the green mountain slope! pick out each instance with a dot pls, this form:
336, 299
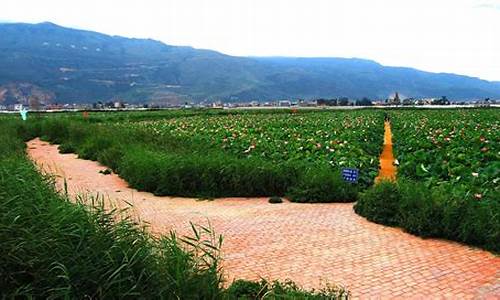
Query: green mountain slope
82, 66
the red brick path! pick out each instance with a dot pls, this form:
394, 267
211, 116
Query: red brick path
308, 243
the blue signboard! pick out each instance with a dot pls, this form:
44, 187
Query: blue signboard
350, 175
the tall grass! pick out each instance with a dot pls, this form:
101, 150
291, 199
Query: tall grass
172, 166
320, 184
276, 290
196, 175
53, 248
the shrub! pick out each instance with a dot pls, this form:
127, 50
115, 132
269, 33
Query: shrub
418, 203
442, 211
243, 289
106, 171
92, 148
480, 224
56, 131
67, 147
322, 184
141, 169
111, 157
202, 176
275, 199
380, 203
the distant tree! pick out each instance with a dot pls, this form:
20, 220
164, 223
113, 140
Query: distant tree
321, 102
326, 102
364, 102
344, 101
443, 101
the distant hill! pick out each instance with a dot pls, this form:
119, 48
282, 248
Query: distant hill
66, 65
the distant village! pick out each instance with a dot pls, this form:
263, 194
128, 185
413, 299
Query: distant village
342, 102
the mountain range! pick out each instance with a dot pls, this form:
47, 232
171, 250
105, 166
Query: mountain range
51, 63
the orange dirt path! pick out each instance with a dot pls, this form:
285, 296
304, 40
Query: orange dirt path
308, 243
387, 168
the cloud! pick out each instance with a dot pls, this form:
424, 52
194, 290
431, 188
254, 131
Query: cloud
495, 5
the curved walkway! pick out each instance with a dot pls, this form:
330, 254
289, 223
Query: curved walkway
308, 243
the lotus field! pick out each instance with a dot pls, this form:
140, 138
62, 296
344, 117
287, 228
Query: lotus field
447, 186
460, 148
448, 176
339, 139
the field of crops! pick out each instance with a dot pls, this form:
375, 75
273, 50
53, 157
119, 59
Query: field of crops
340, 139
448, 176
461, 148
215, 153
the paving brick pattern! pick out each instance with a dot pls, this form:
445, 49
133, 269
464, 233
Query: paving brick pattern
308, 243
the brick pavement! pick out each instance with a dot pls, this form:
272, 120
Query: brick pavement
308, 243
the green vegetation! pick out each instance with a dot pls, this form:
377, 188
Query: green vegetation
448, 179
447, 187
275, 200
250, 290
433, 212
339, 138
458, 147
53, 248
217, 154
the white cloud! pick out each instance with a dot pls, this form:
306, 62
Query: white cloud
459, 36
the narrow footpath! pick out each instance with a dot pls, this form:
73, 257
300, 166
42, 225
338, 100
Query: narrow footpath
310, 244
387, 168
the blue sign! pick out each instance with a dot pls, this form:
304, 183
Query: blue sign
350, 175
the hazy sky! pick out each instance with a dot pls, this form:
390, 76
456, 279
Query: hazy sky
458, 36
